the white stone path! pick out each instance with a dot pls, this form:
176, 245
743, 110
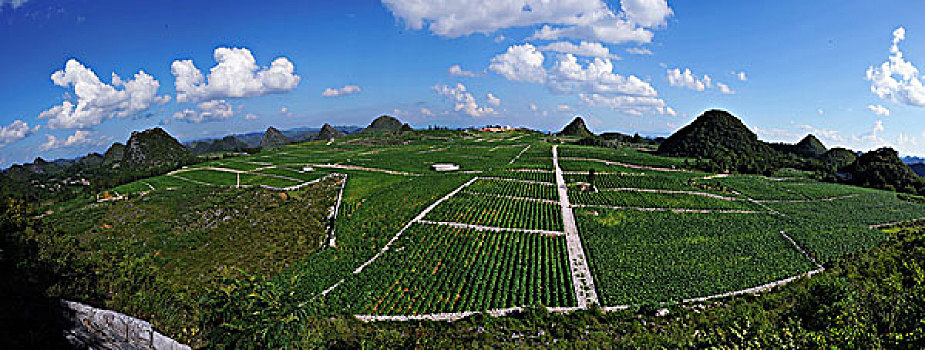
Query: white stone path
519, 154
332, 239
525, 199
650, 190
582, 281
361, 168
827, 199
517, 180
385, 248
625, 165
675, 210
490, 228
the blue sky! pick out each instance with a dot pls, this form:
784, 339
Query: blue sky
808, 66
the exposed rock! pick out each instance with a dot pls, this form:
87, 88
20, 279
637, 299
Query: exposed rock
273, 138
113, 155
154, 148
329, 132
104, 329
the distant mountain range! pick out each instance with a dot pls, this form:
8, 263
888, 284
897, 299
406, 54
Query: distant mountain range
252, 140
717, 136
918, 168
916, 163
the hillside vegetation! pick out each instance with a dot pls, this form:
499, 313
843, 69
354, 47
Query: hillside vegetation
385, 123
882, 168
147, 153
576, 128
721, 137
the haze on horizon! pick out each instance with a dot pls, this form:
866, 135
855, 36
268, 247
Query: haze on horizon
79, 75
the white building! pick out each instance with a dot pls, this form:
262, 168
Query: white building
444, 167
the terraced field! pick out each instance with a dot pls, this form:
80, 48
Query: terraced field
442, 269
498, 233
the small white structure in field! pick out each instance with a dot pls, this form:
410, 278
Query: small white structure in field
444, 167
307, 169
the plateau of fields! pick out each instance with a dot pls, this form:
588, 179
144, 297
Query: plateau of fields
524, 223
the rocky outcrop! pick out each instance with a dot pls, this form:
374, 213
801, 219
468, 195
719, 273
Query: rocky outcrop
154, 148
274, 138
576, 128
329, 132
93, 328
386, 123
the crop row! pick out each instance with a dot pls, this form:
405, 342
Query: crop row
371, 215
295, 174
539, 150
657, 200
829, 229
540, 176
533, 162
623, 155
498, 212
238, 165
269, 181
636, 180
440, 269
761, 188
640, 257
586, 165
515, 189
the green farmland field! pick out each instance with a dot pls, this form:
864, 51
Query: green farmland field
651, 230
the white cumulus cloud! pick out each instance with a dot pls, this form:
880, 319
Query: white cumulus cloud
251, 117
638, 51
464, 101
774, 133
569, 76
824, 134
614, 32
13, 3
80, 137
206, 111
17, 130
577, 19
520, 63
687, 79
235, 75
879, 110
679, 78
740, 75
97, 101
647, 13
896, 79
595, 78
457, 71
632, 105
723, 88
346, 90
588, 49
493, 100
